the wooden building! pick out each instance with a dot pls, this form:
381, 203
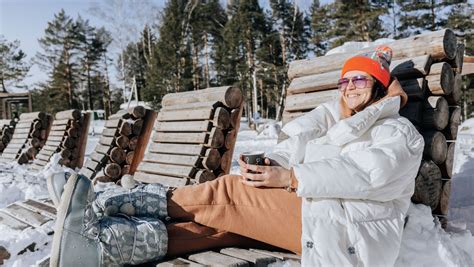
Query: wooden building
13, 104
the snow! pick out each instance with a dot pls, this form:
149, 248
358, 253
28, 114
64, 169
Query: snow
424, 242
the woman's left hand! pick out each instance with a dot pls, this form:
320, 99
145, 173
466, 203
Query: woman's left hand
266, 176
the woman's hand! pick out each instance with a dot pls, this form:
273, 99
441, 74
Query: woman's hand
265, 176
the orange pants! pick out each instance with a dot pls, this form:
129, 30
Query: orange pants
225, 212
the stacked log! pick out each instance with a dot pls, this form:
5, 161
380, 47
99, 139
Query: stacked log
68, 136
7, 128
194, 137
28, 138
429, 68
114, 155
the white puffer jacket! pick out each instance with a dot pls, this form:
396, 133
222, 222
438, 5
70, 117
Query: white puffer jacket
356, 177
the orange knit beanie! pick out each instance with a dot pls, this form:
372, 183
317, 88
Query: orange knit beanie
377, 64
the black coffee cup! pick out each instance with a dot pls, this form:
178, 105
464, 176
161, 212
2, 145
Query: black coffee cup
254, 157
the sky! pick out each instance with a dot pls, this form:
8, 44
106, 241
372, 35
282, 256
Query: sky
26, 20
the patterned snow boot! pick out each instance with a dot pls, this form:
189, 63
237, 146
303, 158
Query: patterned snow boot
55, 183
142, 201
82, 239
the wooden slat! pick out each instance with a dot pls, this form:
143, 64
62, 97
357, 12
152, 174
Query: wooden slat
166, 169
40, 208
211, 258
56, 133
25, 124
107, 141
41, 162
22, 130
50, 148
257, 259
93, 165
60, 122
162, 179
55, 138
16, 146
184, 126
312, 83
309, 100
9, 150
113, 123
43, 156
47, 153
8, 156
185, 138
278, 255
204, 113
98, 157
86, 172
109, 132
53, 143
30, 217
12, 222
58, 128
102, 149
36, 167
172, 159
178, 262
182, 149
18, 140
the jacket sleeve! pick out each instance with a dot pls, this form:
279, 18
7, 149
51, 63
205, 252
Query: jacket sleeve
300, 131
380, 172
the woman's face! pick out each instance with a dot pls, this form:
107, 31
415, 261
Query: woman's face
358, 91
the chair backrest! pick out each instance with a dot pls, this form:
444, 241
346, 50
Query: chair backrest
194, 137
121, 145
68, 137
28, 138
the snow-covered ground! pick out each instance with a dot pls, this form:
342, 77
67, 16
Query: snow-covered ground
424, 242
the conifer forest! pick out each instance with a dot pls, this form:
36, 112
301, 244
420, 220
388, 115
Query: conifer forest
187, 45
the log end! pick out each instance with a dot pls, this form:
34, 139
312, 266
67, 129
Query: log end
449, 44
233, 97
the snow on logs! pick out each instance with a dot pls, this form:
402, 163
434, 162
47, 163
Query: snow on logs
194, 137
68, 137
28, 138
429, 68
124, 133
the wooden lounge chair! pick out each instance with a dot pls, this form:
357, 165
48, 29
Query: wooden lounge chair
194, 137
68, 136
121, 145
28, 138
6, 133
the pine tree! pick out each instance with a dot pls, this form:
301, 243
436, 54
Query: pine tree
13, 67
292, 27
206, 23
335, 23
171, 49
59, 58
92, 47
322, 20
419, 16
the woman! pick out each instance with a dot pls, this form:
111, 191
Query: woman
348, 171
